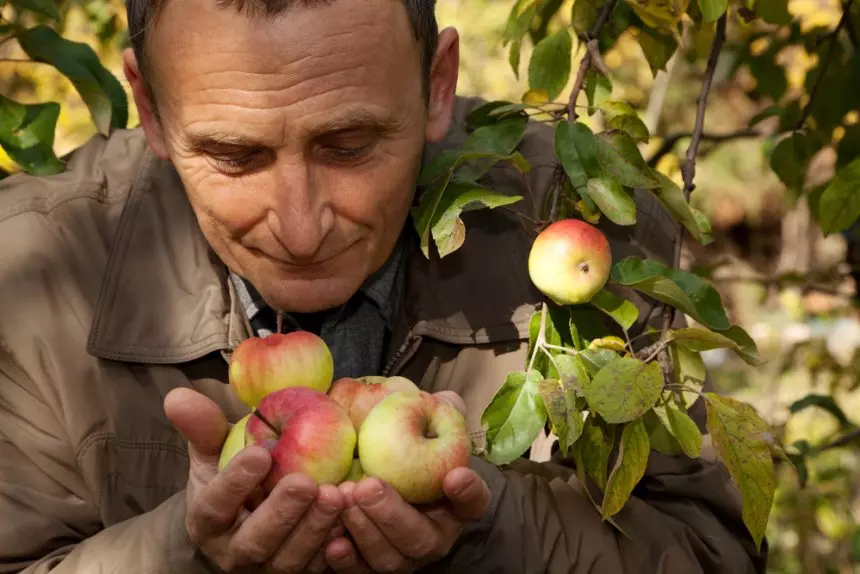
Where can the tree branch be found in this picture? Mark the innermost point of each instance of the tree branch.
(591, 53)
(688, 171)
(844, 440)
(825, 63)
(671, 140)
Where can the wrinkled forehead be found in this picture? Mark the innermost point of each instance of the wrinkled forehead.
(190, 36)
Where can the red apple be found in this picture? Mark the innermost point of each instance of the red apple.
(412, 440)
(306, 432)
(358, 396)
(261, 365)
(570, 261)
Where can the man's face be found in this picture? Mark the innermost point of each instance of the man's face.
(298, 138)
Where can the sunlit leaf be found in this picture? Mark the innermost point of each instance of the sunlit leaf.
(622, 311)
(598, 88)
(672, 198)
(631, 125)
(627, 174)
(630, 466)
(684, 430)
(713, 9)
(735, 338)
(616, 204)
(624, 390)
(549, 67)
(658, 47)
(576, 148)
(824, 402)
(839, 206)
(514, 417)
(740, 438)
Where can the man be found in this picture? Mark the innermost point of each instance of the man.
(274, 171)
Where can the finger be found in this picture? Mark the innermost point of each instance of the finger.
(343, 558)
(452, 399)
(467, 492)
(375, 548)
(318, 563)
(310, 534)
(266, 529)
(199, 420)
(408, 530)
(216, 507)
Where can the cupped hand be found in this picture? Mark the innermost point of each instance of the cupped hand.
(285, 533)
(388, 534)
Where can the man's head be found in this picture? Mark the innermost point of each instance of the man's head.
(297, 128)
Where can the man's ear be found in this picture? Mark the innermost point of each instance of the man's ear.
(145, 107)
(444, 72)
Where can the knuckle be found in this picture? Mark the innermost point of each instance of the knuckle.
(390, 564)
(425, 547)
(247, 553)
(204, 512)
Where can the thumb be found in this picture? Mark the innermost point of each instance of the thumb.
(452, 399)
(199, 420)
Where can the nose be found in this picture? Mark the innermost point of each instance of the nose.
(299, 216)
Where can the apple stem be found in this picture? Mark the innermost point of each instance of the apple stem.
(260, 416)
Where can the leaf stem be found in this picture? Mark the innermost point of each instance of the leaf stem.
(260, 416)
(561, 349)
(541, 338)
(591, 49)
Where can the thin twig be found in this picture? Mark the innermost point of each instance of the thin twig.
(557, 185)
(567, 350)
(670, 140)
(849, 25)
(844, 440)
(825, 63)
(541, 338)
(591, 48)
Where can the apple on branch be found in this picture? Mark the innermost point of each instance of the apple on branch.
(570, 261)
(305, 431)
(359, 396)
(261, 365)
(412, 440)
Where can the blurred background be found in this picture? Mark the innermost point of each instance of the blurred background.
(781, 278)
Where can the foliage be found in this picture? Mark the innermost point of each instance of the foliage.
(630, 399)
(27, 130)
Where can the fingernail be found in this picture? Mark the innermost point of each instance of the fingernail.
(373, 494)
(326, 507)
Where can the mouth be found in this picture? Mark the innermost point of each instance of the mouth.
(310, 268)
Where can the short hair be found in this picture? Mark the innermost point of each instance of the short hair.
(142, 14)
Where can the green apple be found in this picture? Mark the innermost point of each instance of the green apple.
(261, 365)
(359, 396)
(356, 473)
(234, 443)
(412, 440)
(306, 432)
(570, 261)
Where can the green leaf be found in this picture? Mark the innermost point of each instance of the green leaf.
(615, 203)
(556, 332)
(659, 435)
(576, 148)
(631, 125)
(564, 413)
(514, 55)
(690, 371)
(27, 135)
(45, 7)
(627, 149)
(483, 115)
(824, 402)
(549, 67)
(449, 231)
(595, 447)
(585, 13)
(685, 431)
(773, 11)
(657, 47)
(704, 225)
(629, 468)
(586, 323)
(839, 206)
(696, 339)
(672, 198)
(100, 90)
(625, 172)
(514, 417)
(622, 311)
(740, 438)
(596, 359)
(572, 372)
(598, 88)
(519, 21)
(790, 158)
(713, 9)
(624, 390)
(681, 289)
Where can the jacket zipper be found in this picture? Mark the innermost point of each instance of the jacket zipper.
(406, 351)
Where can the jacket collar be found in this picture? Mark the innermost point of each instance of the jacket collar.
(166, 298)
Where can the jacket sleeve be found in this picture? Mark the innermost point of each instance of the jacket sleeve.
(49, 521)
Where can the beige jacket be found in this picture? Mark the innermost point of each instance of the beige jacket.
(110, 297)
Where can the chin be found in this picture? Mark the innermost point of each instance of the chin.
(306, 295)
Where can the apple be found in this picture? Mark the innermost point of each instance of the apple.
(356, 473)
(305, 431)
(412, 440)
(570, 261)
(261, 365)
(234, 442)
(359, 396)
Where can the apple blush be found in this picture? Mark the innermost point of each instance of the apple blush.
(570, 261)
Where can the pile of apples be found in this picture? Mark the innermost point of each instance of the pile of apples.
(334, 431)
